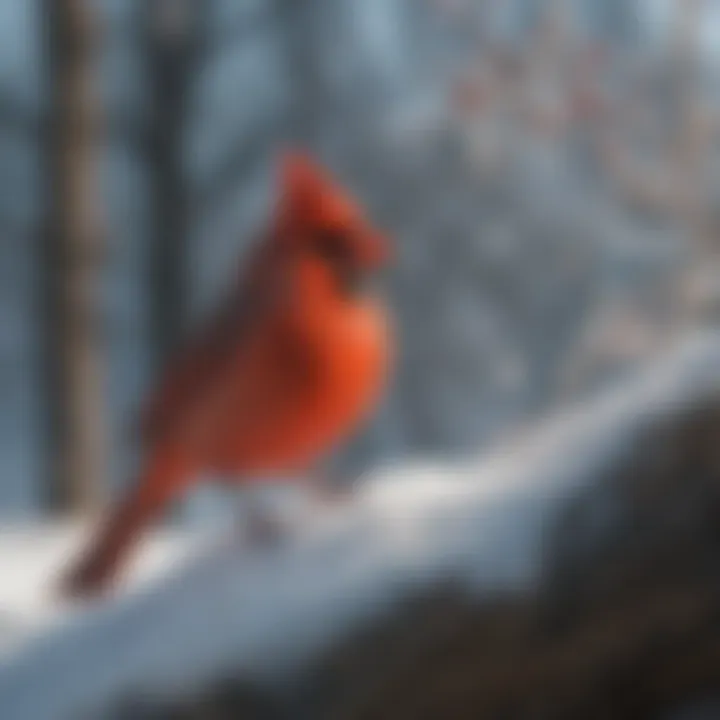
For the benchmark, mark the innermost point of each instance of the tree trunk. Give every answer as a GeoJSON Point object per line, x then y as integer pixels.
{"type": "Point", "coordinates": [71, 247]}
{"type": "Point", "coordinates": [174, 40]}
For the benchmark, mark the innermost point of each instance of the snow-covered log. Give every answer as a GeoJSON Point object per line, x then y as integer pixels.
{"type": "Point", "coordinates": [264, 616]}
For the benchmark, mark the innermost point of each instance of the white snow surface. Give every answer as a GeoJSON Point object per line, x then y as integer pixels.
{"type": "Point", "coordinates": [197, 607]}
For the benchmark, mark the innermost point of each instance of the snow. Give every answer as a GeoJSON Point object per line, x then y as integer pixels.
{"type": "Point", "coordinates": [262, 613]}
{"type": "Point", "coordinates": [31, 559]}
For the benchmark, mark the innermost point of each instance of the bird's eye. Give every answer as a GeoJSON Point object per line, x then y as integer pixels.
{"type": "Point", "coordinates": [332, 244]}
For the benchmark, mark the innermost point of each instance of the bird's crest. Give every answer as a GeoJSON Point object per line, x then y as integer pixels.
{"type": "Point", "coordinates": [315, 209]}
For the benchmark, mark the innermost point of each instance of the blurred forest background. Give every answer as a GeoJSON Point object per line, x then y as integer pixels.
{"type": "Point", "coordinates": [548, 169]}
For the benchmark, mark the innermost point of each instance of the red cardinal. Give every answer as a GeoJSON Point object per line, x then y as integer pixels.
{"type": "Point", "coordinates": [294, 358]}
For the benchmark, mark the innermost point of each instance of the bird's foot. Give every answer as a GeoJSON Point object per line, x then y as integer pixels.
{"type": "Point", "coordinates": [327, 493]}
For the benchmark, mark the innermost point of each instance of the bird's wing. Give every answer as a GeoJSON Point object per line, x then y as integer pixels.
{"type": "Point", "coordinates": [201, 361]}
{"type": "Point", "coordinates": [182, 379]}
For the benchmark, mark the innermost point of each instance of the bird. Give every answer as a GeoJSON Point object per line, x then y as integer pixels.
{"type": "Point", "coordinates": [294, 358]}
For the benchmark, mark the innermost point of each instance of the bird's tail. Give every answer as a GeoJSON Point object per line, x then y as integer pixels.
{"type": "Point", "coordinates": [165, 476]}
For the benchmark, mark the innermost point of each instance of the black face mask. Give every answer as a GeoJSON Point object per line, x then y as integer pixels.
{"type": "Point", "coordinates": [353, 278]}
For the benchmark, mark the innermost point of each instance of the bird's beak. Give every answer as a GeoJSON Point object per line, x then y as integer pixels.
{"type": "Point", "coordinates": [375, 251]}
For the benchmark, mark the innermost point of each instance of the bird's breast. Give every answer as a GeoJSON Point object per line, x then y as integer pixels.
{"type": "Point", "coordinates": [353, 355]}
{"type": "Point", "coordinates": [322, 383]}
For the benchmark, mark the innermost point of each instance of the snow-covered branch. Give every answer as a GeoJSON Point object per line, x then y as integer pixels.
{"type": "Point", "coordinates": [263, 615]}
